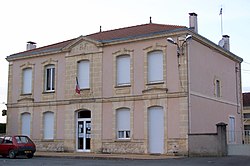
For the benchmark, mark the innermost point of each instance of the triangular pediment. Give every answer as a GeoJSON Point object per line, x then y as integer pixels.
{"type": "Point", "coordinates": [83, 45]}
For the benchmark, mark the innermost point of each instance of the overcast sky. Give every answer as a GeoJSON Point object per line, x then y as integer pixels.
{"type": "Point", "coordinates": [50, 21]}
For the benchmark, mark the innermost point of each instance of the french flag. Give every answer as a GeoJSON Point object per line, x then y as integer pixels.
{"type": "Point", "coordinates": [77, 87]}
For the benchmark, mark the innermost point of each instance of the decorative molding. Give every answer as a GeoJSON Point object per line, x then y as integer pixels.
{"type": "Point", "coordinates": [123, 51]}
{"type": "Point", "coordinates": [81, 39]}
{"type": "Point", "coordinates": [28, 98]}
{"type": "Point", "coordinates": [49, 61]}
{"type": "Point", "coordinates": [155, 47]}
{"type": "Point", "coordinates": [27, 65]}
{"type": "Point", "coordinates": [155, 90]}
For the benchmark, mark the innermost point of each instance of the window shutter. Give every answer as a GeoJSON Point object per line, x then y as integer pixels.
{"type": "Point", "coordinates": [48, 125]}
{"type": "Point", "coordinates": [26, 124]}
{"type": "Point", "coordinates": [155, 66]}
{"type": "Point", "coordinates": [123, 69]}
{"type": "Point", "coordinates": [27, 81]}
{"type": "Point", "coordinates": [83, 74]}
{"type": "Point", "coordinates": [123, 119]}
{"type": "Point", "coordinates": [231, 130]}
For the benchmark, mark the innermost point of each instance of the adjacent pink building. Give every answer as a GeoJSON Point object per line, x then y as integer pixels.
{"type": "Point", "coordinates": [140, 89]}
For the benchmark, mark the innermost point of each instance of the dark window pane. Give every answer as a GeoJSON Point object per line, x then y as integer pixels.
{"type": "Point", "coordinates": [84, 114]}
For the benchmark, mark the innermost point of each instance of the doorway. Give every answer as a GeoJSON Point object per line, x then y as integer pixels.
{"type": "Point", "coordinates": [156, 130]}
{"type": "Point", "coordinates": [83, 134]}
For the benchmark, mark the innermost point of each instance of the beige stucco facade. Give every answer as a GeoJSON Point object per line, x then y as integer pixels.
{"type": "Point", "coordinates": [186, 94]}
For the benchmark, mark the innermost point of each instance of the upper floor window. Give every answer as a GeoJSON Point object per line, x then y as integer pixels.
{"type": "Point", "coordinates": [27, 81]}
{"type": "Point", "coordinates": [123, 70]}
{"type": "Point", "coordinates": [83, 74]}
{"type": "Point", "coordinates": [50, 78]}
{"type": "Point", "coordinates": [217, 88]}
{"type": "Point", "coordinates": [155, 67]}
{"type": "Point", "coordinates": [123, 123]}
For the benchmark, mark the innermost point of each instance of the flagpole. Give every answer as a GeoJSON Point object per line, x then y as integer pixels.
{"type": "Point", "coordinates": [221, 21]}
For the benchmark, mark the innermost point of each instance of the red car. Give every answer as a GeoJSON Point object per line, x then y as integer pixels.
{"type": "Point", "coordinates": [13, 146]}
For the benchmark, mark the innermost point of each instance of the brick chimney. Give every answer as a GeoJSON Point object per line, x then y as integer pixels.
{"type": "Point", "coordinates": [30, 45]}
{"type": "Point", "coordinates": [226, 42]}
{"type": "Point", "coordinates": [193, 22]}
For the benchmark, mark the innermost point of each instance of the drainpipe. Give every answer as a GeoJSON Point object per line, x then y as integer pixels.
{"type": "Point", "coordinates": [237, 87]}
{"type": "Point", "coordinates": [239, 98]}
{"type": "Point", "coordinates": [188, 88]}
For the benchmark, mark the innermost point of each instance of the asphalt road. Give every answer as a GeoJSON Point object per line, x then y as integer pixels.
{"type": "Point", "coordinates": [53, 161]}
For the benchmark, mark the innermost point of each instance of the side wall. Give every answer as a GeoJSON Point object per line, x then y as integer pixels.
{"type": "Point", "coordinates": [207, 66]}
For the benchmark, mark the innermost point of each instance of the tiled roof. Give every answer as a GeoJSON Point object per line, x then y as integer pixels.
{"type": "Point", "coordinates": [246, 99]}
{"type": "Point", "coordinates": [45, 49]}
{"type": "Point", "coordinates": [107, 36]}
{"type": "Point", "coordinates": [134, 31]}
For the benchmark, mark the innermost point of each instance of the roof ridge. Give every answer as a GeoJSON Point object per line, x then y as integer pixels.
{"type": "Point", "coordinates": [139, 25]}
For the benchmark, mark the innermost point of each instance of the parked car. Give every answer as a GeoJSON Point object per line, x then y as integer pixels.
{"type": "Point", "coordinates": [16, 145]}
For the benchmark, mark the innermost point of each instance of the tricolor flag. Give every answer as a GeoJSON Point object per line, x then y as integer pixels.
{"type": "Point", "coordinates": [77, 86]}
{"type": "Point", "coordinates": [220, 11]}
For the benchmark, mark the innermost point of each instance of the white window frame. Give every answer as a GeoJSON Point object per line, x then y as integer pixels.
{"type": "Point", "coordinates": [123, 123]}
{"type": "Point", "coordinates": [123, 72]}
{"type": "Point", "coordinates": [83, 74]}
{"type": "Point", "coordinates": [155, 66]}
{"type": "Point", "coordinates": [48, 125]}
{"type": "Point", "coordinates": [50, 79]}
{"type": "Point", "coordinates": [27, 81]}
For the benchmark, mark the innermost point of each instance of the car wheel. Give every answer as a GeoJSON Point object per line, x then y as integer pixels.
{"type": "Point", "coordinates": [30, 155]}
{"type": "Point", "coordinates": [12, 154]}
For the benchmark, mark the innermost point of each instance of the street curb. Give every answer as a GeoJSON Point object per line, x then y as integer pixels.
{"type": "Point", "coordinates": [106, 156]}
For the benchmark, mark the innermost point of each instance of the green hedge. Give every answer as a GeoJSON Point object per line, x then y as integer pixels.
{"type": "Point", "coordinates": [2, 127]}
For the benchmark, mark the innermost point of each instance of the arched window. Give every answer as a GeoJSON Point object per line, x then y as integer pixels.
{"type": "Point", "coordinates": [155, 66]}
{"type": "Point", "coordinates": [123, 70]}
{"type": "Point", "coordinates": [48, 123]}
{"type": "Point", "coordinates": [123, 123]}
{"type": "Point", "coordinates": [25, 118]}
{"type": "Point", "coordinates": [27, 81]}
{"type": "Point", "coordinates": [83, 74]}
{"type": "Point", "coordinates": [217, 88]}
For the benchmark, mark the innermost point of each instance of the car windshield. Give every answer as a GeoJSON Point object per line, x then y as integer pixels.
{"type": "Point", "coordinates": [21, 139]}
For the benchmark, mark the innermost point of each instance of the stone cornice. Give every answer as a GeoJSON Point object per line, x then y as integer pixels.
{"type": "Point", "coordinates": [99, 100]}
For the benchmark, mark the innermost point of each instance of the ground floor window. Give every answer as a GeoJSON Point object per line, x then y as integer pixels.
{"type": "Point", "coordinates": [123, 123]}
{"type": "Point", "coordinates": [231, 130]}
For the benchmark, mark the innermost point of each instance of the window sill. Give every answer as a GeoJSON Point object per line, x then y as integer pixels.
{"type": "Point", "coordinates": [123, 140]}
{"type": "Point", "coordinates": [47, 140]}
{"type": "Point", "coordinates": [155, 83]}
{"type": "Point", "coordinates": [84, 89]}
{"type": "Point", "coordinates": [123, 86]}
{"type": "Point", "coordinates": [47, 92]}
{"type": "Point", "coordinates": [26, 94]}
